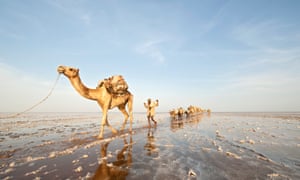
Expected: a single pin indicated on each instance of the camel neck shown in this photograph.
(81, 88)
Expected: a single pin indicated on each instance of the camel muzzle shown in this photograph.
(60, 69)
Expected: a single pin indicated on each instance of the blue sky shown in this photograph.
(222, 55)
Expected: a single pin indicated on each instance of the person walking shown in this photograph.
(150, 106)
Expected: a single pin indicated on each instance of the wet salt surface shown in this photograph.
(219, 146)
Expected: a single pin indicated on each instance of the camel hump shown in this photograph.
(119, 85)
(115, 84)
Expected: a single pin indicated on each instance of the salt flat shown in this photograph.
(204, 146)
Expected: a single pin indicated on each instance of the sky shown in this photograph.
(225, 55)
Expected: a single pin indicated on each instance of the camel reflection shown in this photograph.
(181, 122)
(150, 146)
(117, 169)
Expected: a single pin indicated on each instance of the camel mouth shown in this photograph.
(60, 69)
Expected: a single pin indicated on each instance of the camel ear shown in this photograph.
(100, 83)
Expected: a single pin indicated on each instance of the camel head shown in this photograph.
(68, 71)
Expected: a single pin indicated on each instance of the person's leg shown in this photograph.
(152, 117)
(149, 124)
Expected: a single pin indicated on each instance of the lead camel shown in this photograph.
(104, 98)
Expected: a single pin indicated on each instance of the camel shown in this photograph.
(104, 98)
(173, 113)
(180, 112)
(191, 110)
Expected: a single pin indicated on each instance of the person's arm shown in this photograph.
(157, 102)
(146, 106)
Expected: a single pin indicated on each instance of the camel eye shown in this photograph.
(71, 69)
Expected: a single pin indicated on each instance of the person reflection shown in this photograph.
(117, 169)
(150, 147)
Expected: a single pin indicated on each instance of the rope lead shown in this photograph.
(35, 105)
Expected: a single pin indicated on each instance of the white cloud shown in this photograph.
(250, 32)
(74, 9)
(266, 91)
(273, 57)
(151, 48)
(266, 35)
(215, 20)
(11, 34)
(275, 81)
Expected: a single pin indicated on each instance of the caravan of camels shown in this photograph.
(191, 110)
(113, 92)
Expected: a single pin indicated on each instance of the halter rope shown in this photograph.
(35, 105)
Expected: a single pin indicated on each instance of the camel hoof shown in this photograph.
(100, 137)
(114, 131)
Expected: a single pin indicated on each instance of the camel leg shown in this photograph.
(103, 122)
(113, 130)
(123, 110)
(130, 104)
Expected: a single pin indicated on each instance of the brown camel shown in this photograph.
(104, 98)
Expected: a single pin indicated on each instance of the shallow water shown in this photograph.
(215, 146)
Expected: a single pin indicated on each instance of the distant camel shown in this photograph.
(173, 113)
(104, 98)
(180, 112)
(191, 110)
